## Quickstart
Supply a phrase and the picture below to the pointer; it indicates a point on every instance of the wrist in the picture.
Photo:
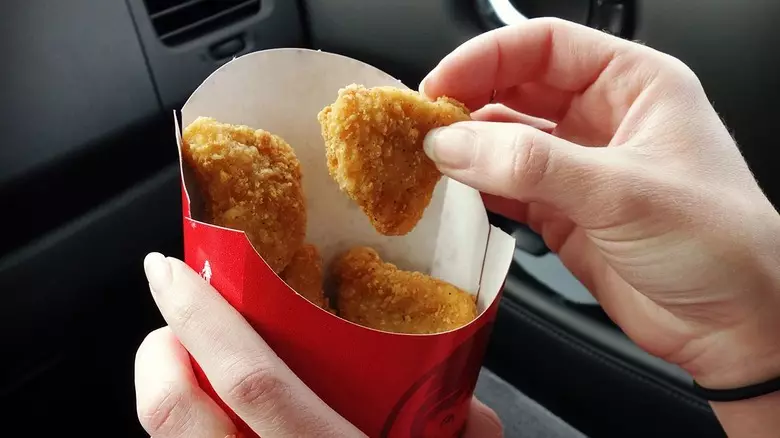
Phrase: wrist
(749, 352)
(755, 418)
(733, 363)
(751, 356)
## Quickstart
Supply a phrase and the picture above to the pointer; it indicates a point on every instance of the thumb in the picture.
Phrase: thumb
(520, 162)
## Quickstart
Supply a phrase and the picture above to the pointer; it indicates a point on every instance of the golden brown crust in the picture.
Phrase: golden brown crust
(252, 182)
(304, 275)
(373, 139)
(381, 296)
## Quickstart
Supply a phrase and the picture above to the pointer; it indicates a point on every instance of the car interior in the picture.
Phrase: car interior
(89, 183)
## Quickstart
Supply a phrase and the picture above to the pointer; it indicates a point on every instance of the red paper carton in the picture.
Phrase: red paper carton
(386, 384)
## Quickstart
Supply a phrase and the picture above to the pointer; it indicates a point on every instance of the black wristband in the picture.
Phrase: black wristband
(737, 394)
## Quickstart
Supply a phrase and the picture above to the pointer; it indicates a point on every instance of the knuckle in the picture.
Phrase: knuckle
(260, 386)
(681, 73)
(167, 413)
(530, 160)
(185, 314)
(552, 22)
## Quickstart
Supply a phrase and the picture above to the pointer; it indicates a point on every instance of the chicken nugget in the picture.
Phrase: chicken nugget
(378, 295)
(251, 180)
(373, 140)
(304, 274)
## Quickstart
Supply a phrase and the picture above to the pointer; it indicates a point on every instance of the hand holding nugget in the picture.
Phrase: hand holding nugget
(378, 295)
(252, 182)
(638, 186)
(373, 139)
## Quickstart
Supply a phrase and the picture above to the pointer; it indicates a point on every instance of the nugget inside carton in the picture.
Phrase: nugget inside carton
(387, 384)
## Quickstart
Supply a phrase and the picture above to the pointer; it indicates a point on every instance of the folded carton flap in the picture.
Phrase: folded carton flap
(463, 238)
(194, 206)
(498, 258)
(184, 182)
(282, 91)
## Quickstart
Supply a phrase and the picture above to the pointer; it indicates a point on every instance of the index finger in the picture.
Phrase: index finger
(560, 59)
(243, 370)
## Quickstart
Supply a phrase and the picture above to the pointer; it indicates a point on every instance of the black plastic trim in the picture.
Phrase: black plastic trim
(567, 320)
(56, 281)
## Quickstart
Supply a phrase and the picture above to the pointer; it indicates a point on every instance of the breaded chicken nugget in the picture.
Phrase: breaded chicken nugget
(304, 274)
(381, 296)
(252, 182)
(373, 140)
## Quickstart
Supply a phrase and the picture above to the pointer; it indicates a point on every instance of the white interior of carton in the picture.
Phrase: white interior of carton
(281, 91)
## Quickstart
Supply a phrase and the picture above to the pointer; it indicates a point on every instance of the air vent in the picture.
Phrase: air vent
(179, 21)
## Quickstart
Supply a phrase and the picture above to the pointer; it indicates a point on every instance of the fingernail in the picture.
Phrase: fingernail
(421, 88)
(158, 271)
(452, 147)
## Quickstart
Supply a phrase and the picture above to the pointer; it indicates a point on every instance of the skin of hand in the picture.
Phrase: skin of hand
(241, 367)
(611, 151)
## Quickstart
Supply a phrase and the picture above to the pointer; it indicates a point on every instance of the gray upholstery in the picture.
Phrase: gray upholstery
(522, 417)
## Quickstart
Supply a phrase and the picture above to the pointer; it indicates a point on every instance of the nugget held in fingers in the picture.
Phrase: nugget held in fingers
(373, 139)
(251, 180)
(378, 295)
(304, 274)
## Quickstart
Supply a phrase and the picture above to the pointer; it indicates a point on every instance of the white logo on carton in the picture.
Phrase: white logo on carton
(206, 272)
